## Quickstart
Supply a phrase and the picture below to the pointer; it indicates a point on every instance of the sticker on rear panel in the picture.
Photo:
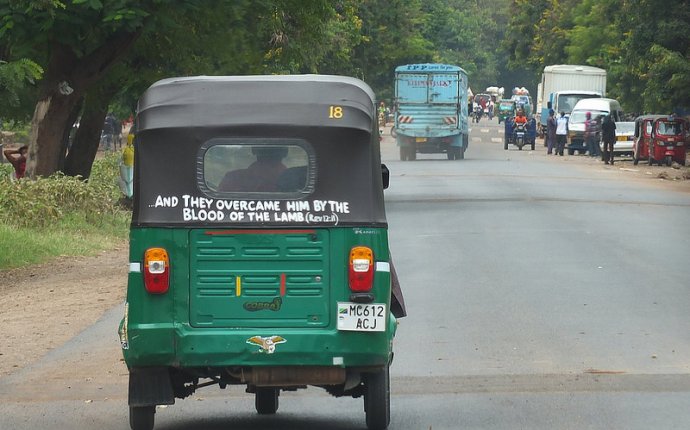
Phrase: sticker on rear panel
(266, 344)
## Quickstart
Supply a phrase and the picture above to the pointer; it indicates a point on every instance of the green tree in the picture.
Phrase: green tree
(79, 41)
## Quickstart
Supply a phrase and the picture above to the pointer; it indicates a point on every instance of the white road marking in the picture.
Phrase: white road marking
(497, 140)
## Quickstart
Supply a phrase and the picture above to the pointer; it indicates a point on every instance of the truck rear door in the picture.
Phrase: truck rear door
(435, 88)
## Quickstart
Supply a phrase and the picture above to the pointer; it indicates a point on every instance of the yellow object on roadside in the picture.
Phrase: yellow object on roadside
(128, 151)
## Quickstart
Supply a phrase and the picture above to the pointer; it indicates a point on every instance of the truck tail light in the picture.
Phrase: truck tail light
(361, 272)
(156, 270)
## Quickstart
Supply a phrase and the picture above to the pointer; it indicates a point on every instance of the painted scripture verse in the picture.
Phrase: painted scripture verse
(273, 211)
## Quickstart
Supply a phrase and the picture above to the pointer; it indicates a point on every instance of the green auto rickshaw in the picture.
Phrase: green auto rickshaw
(506, 109)
(259, 245)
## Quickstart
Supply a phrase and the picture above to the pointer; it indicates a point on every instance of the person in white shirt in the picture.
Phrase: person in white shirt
(561, 133)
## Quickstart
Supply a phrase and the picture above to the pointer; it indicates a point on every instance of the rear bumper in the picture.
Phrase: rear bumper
(186, 347)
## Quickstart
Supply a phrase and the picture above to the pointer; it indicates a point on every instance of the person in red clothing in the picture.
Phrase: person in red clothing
(520, 118)
(17, 157)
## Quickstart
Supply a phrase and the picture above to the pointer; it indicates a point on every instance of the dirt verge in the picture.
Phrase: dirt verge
(45, 305)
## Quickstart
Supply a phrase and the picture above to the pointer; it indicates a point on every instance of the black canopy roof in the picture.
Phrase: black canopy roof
(203, 101)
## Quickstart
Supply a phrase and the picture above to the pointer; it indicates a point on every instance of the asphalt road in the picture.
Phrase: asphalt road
(543, 293)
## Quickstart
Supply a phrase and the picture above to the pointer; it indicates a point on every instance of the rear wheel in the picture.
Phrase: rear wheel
(266, 400)
(377, 404)
(669, 160)
(505, 142)
(141, 417)
(403, 153)
(571, 151)
(650, 160)
(460, 155)
(532, 145)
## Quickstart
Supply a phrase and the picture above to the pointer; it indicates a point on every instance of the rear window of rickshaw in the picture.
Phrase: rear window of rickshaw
(256, 168)
(668, 128)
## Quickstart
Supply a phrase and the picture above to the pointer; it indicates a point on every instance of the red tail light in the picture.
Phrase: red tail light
(361, 272)
(156, 270)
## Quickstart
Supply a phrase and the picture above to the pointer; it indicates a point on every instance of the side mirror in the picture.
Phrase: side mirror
(385, 176)
(549, 105)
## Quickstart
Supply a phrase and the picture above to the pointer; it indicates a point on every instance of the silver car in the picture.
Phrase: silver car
(625, 133)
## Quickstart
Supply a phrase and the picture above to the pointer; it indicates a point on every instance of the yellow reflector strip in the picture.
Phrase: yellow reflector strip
(238, 286)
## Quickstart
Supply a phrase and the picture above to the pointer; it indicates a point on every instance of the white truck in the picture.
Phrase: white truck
(563, 85)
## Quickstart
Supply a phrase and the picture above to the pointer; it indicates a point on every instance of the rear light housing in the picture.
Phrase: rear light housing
(361, 269)
(156, 271)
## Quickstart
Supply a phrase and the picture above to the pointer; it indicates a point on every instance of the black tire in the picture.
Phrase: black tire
(403, 153)
(636, 157)
(377, 400)
(533, 146)
(142, 417)
(411, 154)
(669, 160)
(650, 160)
(505, 143)
(460, 155)
(571, 151)
(266, 400)
(451, 153)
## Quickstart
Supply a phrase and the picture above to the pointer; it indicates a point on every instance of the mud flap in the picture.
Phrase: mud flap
(150, 386)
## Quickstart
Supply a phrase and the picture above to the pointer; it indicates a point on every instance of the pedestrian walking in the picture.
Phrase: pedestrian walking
(561, 133)
(551, 126)
(608, 135)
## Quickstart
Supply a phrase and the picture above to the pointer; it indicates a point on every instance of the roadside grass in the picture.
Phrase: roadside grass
(61, 216)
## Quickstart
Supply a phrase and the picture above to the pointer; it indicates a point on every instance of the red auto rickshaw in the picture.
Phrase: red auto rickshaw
(660, 139)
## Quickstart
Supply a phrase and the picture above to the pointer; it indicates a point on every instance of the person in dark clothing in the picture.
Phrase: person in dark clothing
(608, 134)
(551, 132)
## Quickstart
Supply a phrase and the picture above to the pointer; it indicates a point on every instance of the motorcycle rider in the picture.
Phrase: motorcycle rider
(520, 118)
(520, 121)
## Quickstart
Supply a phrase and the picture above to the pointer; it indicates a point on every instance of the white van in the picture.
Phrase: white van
(576, 122)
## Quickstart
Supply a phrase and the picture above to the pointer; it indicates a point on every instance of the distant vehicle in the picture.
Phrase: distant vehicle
(523, 100)
(625, 136)
(506, 110)
(599, 108)
(431, 110)
(660, 139)
(563, 85)
(483, 101)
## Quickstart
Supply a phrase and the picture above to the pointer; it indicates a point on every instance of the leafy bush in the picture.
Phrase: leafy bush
(45, 201)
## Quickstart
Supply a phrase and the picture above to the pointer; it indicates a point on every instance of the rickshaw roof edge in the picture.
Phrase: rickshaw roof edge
(255, 100)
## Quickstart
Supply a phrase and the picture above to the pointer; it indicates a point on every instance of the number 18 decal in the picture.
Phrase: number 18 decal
(335, 112)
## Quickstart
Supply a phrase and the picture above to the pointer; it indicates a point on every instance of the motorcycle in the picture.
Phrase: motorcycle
(477, 113)
(519, 135)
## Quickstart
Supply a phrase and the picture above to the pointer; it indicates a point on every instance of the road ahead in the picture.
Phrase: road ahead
(543, 293)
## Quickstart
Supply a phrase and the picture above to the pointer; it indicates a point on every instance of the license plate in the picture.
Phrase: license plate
(361, 317)
(622, 138)
(519, 133)
(420, 139)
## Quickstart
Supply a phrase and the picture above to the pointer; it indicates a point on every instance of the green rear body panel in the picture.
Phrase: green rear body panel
(230, 285)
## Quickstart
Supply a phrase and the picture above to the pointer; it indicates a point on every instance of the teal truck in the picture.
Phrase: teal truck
(431, 110)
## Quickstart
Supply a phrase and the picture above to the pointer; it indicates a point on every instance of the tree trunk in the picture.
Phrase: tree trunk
(85, 146)
(67, 134)
(66, 80)
(47, 128)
